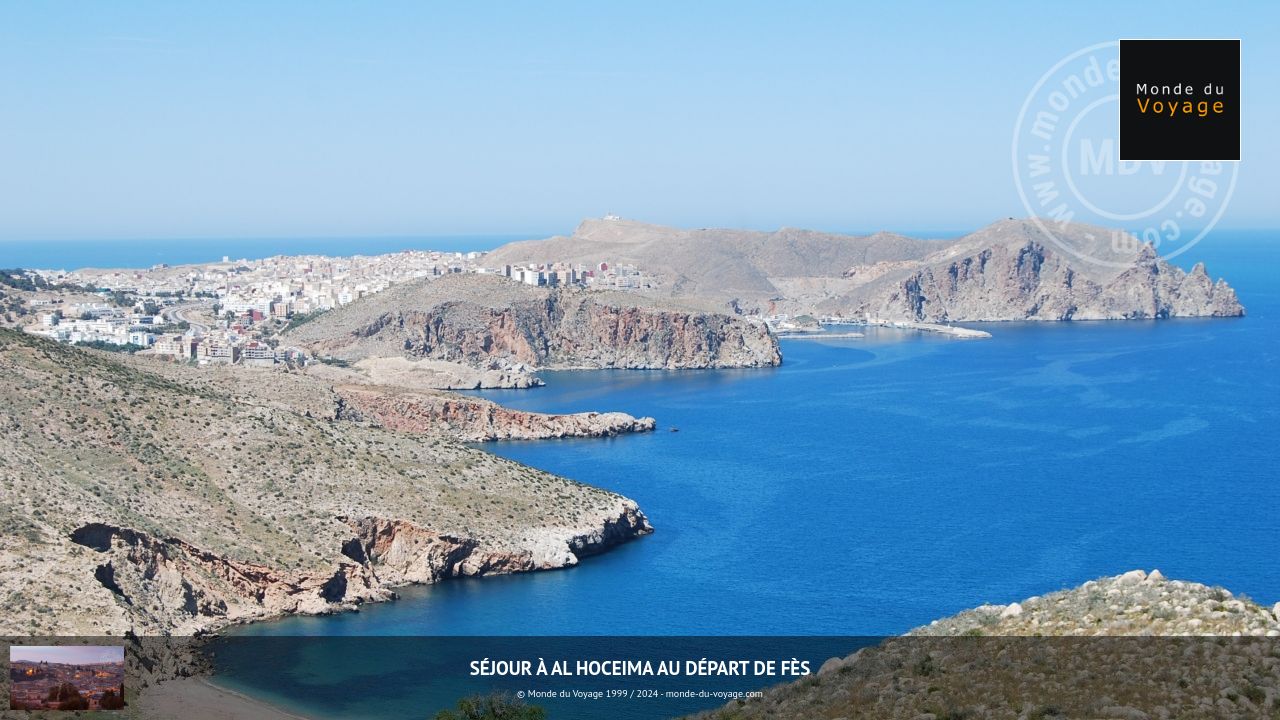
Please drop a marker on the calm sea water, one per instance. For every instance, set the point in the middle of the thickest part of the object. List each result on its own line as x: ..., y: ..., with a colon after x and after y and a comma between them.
x: 74, y: 254
x: 869, y: 486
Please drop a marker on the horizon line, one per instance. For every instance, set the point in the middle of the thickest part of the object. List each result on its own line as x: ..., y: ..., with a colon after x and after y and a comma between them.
x: 514, y: 235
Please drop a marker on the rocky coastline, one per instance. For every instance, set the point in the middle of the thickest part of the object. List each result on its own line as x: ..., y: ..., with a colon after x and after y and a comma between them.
x: 1012, y: 275
x: 1010, y: 270
x: 472, y: 419
x: 480, y: 320
x: 189, y: 590
x: 244, y: 508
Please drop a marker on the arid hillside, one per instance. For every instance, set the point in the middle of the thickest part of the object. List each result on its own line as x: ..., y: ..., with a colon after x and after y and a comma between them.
x: 716, y: 261
x: 1136, y: 645
x: 161, y: 498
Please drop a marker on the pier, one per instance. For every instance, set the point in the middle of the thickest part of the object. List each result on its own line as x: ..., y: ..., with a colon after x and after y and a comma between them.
x: 819, y: 335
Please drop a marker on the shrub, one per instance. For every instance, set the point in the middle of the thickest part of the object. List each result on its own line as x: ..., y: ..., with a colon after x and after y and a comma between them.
x: 492, y: 707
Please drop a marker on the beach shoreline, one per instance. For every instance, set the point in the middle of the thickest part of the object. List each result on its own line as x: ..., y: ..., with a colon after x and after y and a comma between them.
x: 199, y: 698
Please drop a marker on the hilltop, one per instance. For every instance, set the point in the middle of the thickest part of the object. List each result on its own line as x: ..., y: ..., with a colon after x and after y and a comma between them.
x: 1136, y: 645
x: 1009, y: 270
x: 714, y: 262
x: 164, y: 499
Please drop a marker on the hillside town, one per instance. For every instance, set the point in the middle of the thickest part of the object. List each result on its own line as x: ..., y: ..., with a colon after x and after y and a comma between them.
x: 229, y: 312
x: 64, y: 686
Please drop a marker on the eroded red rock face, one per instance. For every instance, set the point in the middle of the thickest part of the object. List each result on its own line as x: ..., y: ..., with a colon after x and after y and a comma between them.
x: 576, y: 332
x: 542, y: 329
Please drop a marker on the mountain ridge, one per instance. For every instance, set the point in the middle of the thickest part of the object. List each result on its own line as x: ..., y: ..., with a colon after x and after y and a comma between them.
x: 1008, y: 270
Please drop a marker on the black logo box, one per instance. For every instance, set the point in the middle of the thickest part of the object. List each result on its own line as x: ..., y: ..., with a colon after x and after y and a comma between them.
x: 1187, y: 69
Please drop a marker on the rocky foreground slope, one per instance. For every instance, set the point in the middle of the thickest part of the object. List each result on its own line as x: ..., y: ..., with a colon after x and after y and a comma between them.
x: 478, y: 320
x: 1133, y: 646
x: 1010, y: 270
x: 162, y: 499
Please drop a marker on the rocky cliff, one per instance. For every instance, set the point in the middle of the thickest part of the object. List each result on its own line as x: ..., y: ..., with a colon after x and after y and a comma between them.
x: 1136, y: 646
x: 473, y: 419
x: 478, y: 319
x: 396, y: 552
x: 1011, y: 271
x: 162, y: 499
x: 172, y: 584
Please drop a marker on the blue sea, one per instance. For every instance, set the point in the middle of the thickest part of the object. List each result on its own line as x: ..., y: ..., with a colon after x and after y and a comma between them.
x: 868, y: 486
x: 75, y: 254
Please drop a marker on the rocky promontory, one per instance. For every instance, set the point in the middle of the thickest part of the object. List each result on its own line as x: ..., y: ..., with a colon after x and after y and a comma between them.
x: 482, y: 319
x: 1012, y: 271
x: 191, y: 500
x: 472, y: 419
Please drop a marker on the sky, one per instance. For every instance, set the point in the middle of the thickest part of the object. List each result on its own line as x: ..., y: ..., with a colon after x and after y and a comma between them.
x: 67, y: 654
x: 244, y: 119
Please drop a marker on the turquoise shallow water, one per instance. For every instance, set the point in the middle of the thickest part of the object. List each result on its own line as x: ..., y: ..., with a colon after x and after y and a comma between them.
x: 869, y: 486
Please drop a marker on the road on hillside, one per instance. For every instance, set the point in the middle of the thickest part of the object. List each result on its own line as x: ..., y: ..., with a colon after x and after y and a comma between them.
x: 177, y: 314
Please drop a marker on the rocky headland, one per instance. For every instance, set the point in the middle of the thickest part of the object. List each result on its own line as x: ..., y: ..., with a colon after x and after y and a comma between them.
x: 1010, y: 270
x: 148, y: 498
x: 1132, y: 646
x: 483, y: 320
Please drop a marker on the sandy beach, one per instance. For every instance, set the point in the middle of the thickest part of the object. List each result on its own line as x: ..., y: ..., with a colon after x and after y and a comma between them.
x: 199, y: 699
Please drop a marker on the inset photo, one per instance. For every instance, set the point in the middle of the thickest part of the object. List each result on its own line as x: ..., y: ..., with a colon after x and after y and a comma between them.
x: 66, y: 677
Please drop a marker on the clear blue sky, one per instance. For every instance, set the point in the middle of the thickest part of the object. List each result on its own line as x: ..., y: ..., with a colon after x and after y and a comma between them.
x: 226, y: 119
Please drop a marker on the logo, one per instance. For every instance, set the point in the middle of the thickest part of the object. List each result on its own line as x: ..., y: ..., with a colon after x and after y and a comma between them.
x: 1180, y: 100
x: 1068, y: 169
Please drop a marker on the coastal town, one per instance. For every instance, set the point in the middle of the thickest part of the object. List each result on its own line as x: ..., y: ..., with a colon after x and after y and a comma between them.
x: 232, y: 311
x: 229, y: 312
x: 42, y: 685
